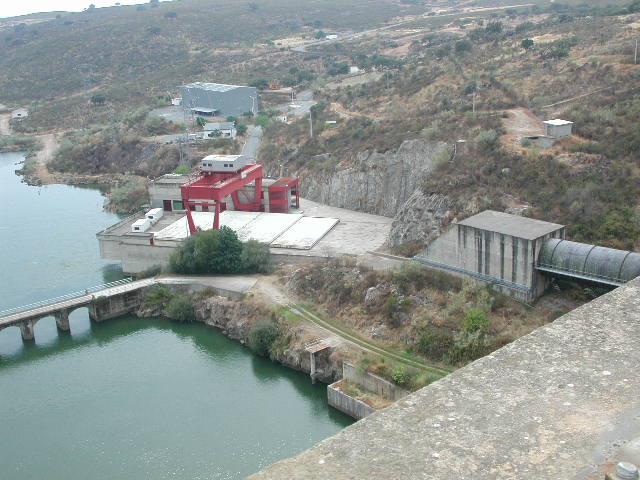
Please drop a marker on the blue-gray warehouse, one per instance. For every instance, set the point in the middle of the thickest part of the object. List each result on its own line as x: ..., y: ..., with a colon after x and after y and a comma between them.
x: 219, y: 99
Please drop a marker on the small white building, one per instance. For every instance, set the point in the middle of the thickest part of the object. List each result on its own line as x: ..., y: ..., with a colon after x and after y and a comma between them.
x: 223, y: 163
x: 154, y: 215
x: 141, y: 225
x: 557, y: 128
x: 354, y: 70
x: 331, y: 37
x: 176, y: 102
x: 220, y: 129
x: 282, y: 118
x: 20, y: 113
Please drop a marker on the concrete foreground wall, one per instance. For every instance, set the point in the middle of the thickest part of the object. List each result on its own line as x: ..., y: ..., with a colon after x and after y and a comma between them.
x: 372, y: 382
x: 346, y: 404
x: 558, y: 403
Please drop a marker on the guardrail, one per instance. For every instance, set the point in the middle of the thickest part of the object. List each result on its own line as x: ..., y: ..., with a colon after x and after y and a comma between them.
x: 68, y: 296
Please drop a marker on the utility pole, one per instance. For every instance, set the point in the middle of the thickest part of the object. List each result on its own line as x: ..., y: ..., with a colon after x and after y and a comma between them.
x: 310, y: 124
x: 474, y: 102
x: 635, y: 55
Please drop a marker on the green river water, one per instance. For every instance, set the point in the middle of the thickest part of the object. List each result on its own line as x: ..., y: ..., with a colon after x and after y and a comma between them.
x: 129, y: 398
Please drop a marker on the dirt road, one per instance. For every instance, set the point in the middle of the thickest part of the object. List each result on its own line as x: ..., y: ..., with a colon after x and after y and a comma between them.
x: 5, y: 128
x: 520, y: 123
x: 49, y: 145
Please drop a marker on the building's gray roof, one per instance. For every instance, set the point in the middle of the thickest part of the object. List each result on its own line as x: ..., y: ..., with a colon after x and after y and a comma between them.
x: 172, y: 178
x: 218, y: 126
x: 214, y: 87
x: 514, y: 225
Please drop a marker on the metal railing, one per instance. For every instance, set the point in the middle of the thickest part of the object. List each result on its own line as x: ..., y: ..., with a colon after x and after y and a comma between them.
x: 68, y: 296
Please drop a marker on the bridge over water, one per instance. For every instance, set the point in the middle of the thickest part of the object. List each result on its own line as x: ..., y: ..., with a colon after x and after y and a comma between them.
x: 111, y: 300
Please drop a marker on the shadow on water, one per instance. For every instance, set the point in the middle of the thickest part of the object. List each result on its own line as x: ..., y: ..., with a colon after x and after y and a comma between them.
x: 264, y: 371
x: 112, y: 272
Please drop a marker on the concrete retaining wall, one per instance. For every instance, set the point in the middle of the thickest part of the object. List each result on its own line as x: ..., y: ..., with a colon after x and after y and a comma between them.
x: 372, y: 382
x: 346, y: 404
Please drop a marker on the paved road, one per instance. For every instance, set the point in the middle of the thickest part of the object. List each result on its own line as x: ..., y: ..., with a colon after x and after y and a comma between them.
x: 252, y: 143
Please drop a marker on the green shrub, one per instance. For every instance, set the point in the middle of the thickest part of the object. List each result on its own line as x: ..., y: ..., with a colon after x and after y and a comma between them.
x: 180, y: 308
x: 400, y: 376
x: 182, y: 170
x: 416, y: 275
x: 256, y: 257
x: 468, y: 346
x: 263, y: 334
x: 475, y: 320
x: 158, y: 295
x: 435, y: 342
x: 213, y: 251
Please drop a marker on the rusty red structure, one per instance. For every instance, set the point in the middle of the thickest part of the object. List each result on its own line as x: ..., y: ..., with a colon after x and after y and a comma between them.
x: 209, y: 189
x: 280, y: 192
x: 222, y: 177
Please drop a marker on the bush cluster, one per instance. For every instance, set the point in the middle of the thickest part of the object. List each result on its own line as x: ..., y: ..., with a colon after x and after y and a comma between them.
x: 219, y: 251
x: 263, y: 335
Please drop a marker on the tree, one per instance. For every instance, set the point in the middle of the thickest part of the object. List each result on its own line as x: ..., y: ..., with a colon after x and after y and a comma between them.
x: 231, y: 118
x: 170, y: 15
x: 260, y: 84
x: 262, y: 336
x: 527, y: 43
x: 182, y: 170
x: 241, y: 129
x: 181, y: 309
x: 463, y: 46
x: 475, y: 320
x: 261, y: 121
x: 256, y: 257
x: 213, y: 251
x: 320, y: 34
x: 201, y: 121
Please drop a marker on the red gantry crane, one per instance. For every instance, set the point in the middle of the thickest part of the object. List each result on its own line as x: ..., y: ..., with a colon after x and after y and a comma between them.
x: 220, y: 179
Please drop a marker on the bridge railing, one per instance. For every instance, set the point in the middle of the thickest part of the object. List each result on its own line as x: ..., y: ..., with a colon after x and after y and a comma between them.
x: 68, y: 296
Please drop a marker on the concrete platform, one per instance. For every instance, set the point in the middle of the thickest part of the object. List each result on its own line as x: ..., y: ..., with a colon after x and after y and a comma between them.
x: 266, y: 227
x: 317, y: 238
x: 305, y: 233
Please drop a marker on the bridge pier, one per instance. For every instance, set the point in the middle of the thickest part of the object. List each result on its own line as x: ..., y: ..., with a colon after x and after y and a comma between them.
x: 26, y: 329
x: 106, y: 308
x: 62, y: 320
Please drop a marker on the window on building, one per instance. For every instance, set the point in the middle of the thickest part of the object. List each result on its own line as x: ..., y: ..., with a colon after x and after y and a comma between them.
x: 177, y: 205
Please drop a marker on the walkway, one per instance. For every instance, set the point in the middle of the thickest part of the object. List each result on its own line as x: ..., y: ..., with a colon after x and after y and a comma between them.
x: 71, y: 301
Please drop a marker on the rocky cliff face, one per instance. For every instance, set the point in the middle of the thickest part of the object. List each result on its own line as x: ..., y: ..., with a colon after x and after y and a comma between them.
x: 375, y: 182
x: 420, y: 217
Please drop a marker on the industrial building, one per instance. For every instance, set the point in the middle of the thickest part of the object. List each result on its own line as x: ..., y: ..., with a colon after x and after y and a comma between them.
x: 518, y: 256
x: 219, y: 99
x: 220, y: 130
x: 496, y: 248
x: 228, y: 190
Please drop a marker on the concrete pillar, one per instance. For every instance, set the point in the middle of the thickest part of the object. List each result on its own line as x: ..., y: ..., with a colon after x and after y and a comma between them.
x: 62, y: 320
x: 313, y: 366
x: 26, y: 329
x: 94, y: 314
